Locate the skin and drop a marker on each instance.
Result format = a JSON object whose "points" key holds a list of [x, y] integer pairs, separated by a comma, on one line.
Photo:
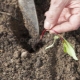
{"points": [[63, 16]]}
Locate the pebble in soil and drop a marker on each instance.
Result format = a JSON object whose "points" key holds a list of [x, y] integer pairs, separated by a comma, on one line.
{"points": [[17, 54], [24, 54]]}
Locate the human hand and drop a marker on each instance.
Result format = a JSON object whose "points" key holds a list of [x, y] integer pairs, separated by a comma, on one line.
{"points": [[63, 16]]}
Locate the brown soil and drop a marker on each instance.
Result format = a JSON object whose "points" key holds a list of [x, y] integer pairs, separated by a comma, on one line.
{"points": [[22, 60]]}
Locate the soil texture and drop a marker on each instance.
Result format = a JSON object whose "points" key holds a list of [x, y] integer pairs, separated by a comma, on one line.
{"points": [[25, 58]]}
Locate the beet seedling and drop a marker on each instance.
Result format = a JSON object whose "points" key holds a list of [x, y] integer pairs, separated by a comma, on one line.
{"points": [[67, 47]]}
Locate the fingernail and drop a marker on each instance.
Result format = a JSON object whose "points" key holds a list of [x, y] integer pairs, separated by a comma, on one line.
{"points": [[47, 25]]}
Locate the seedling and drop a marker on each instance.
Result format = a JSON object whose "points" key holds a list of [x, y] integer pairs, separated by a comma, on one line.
{"points": [[67, 47]]}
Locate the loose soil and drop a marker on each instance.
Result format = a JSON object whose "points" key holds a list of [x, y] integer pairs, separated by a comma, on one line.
{"points": [[22, 60]]}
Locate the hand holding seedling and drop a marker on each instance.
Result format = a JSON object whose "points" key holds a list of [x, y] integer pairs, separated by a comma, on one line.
{"points": [[63, 16]]}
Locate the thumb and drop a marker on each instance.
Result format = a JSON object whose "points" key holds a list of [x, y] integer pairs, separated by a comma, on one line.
{"points": [[52, 15]]}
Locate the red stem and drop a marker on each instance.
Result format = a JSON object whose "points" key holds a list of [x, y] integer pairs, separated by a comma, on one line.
{"points": [[42, 34]]}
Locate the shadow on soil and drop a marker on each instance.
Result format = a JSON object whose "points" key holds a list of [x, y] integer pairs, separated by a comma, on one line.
{"points": [[22, 34], [19, 30]]}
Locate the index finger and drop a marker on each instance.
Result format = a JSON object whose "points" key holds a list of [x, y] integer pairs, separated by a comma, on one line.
{"points": [[72, 24]]}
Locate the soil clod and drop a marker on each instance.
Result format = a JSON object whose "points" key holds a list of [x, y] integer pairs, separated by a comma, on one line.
{"points": [[38, 62], [17, 54]]}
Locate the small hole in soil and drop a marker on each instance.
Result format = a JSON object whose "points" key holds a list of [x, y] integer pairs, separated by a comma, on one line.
{"points": [[32, 45], [31, 50], [23, 35], [36, 44]]}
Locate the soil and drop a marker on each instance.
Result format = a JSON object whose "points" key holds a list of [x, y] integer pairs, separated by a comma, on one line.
{"points": [[22, 60]]}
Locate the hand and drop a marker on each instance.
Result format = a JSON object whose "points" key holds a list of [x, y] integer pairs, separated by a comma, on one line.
{"points": [[63, 16]]}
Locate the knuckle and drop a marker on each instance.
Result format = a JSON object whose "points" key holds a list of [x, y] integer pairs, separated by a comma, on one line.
{"points": [[49, 14]]}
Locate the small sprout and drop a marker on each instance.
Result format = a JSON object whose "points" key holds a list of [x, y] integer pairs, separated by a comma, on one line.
{"points": [[67, 47]]}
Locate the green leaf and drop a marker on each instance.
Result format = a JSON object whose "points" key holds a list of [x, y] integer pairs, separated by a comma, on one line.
{"points": [[69, 49]]}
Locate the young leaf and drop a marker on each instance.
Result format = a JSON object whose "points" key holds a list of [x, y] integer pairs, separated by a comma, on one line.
{"points": [[69, 49]]}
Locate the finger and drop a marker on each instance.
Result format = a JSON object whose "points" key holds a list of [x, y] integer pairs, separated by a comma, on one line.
{"points": [[65, 15], [73, 24], [61, 20], [54, 12]]}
